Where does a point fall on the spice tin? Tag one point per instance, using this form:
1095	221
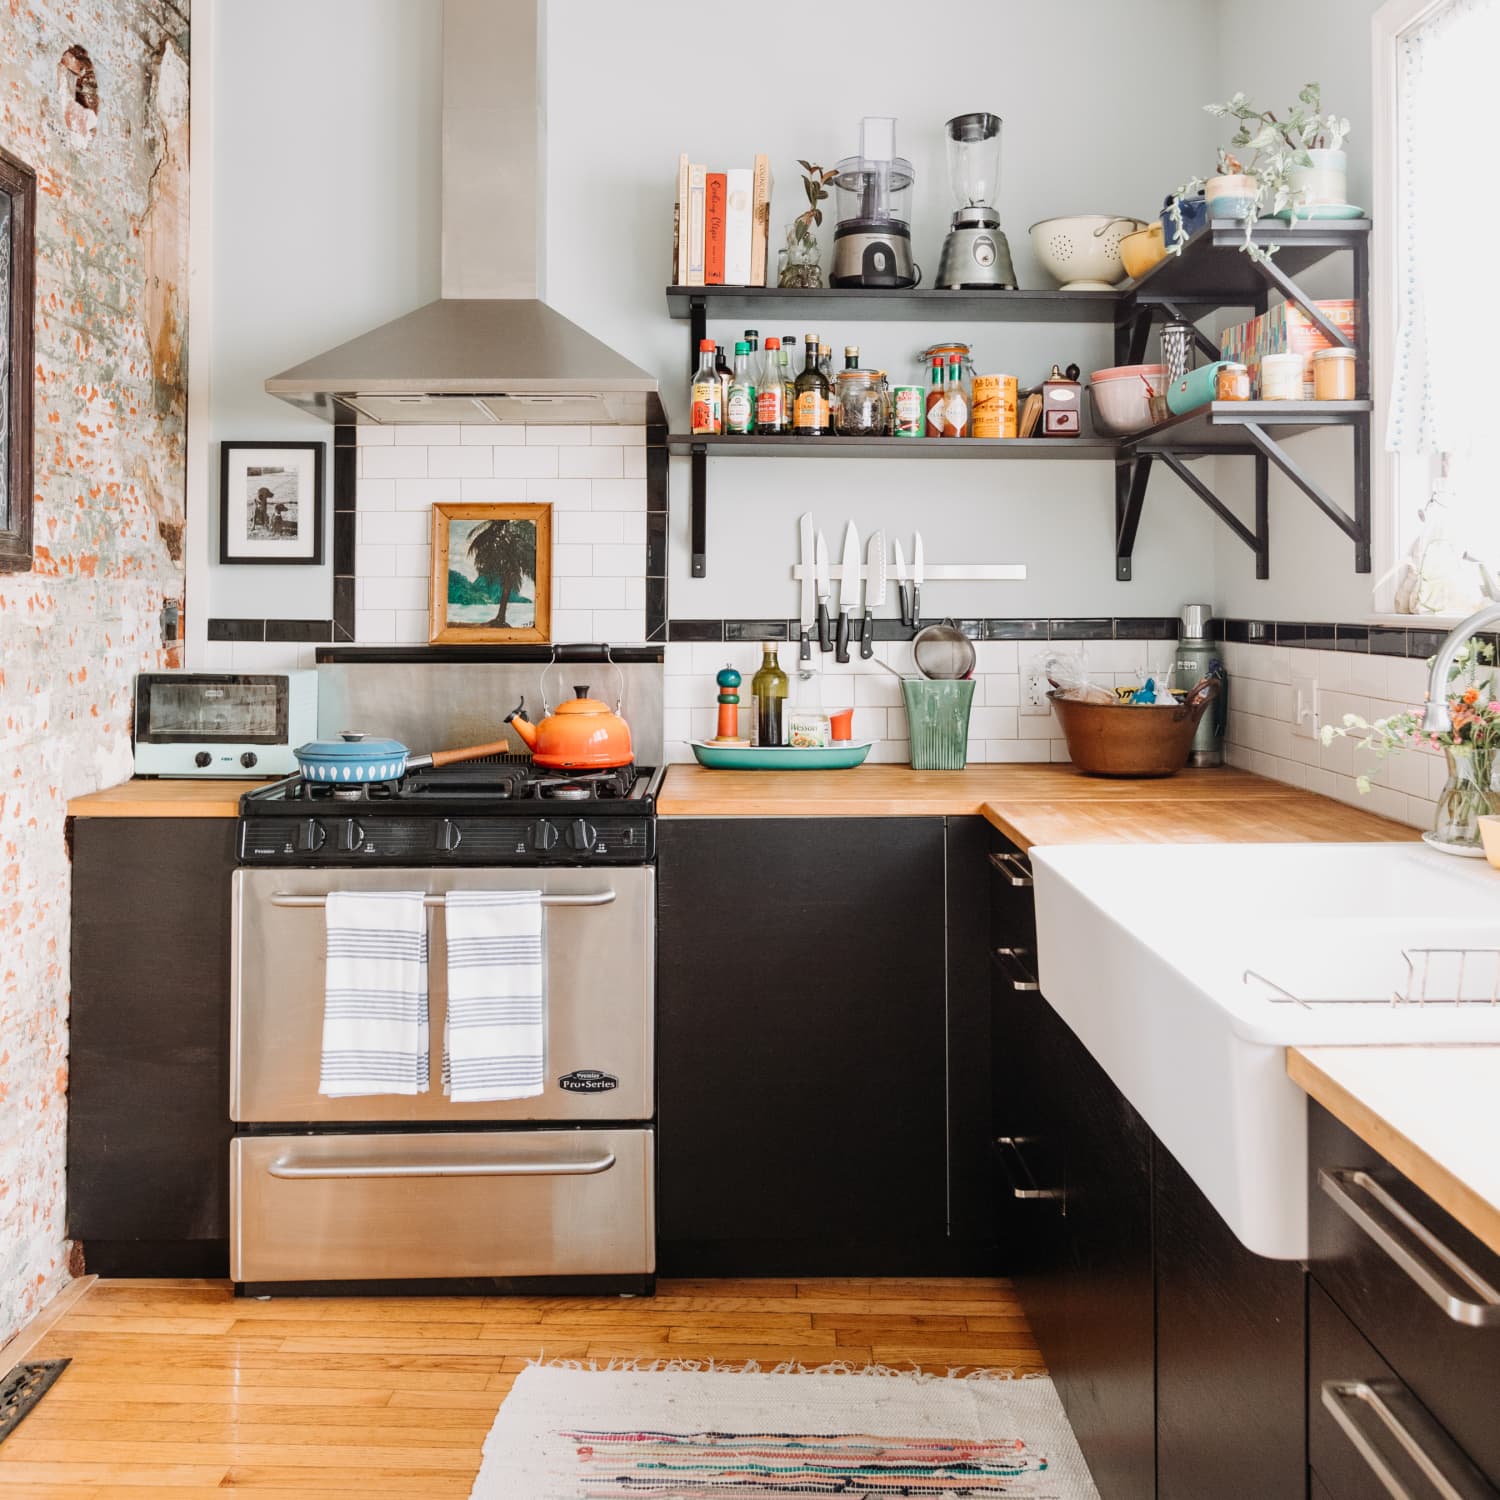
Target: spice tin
910	401
994	406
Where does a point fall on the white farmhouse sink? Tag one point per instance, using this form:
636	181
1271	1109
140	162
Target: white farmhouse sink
1143	951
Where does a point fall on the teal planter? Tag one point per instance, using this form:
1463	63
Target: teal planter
937	715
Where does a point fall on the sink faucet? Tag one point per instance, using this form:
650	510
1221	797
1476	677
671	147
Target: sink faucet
1435	719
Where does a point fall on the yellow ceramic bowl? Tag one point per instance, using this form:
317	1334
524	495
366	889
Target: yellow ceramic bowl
1142	250
1489	832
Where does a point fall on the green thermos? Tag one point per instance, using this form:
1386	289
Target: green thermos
1198	657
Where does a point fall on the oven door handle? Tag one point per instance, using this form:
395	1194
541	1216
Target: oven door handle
297	1170
591	898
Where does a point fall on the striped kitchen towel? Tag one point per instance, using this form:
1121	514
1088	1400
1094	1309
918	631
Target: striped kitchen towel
496	1034
375	995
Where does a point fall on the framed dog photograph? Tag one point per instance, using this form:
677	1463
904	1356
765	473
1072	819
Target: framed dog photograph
271	503
491	573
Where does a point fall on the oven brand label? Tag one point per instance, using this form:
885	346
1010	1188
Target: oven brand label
588	1081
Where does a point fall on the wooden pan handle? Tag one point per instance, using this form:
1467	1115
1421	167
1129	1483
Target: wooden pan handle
470	752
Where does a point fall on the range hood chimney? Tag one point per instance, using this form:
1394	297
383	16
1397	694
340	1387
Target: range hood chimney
489	350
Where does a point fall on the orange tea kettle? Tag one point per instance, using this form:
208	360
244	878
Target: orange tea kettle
583	735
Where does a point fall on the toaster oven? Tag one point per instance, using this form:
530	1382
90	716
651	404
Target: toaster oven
223	723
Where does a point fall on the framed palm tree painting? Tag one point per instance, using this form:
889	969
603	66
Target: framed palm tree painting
491	574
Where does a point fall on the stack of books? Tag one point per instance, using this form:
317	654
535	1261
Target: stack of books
722	225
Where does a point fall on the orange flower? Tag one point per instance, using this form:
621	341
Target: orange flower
1472	696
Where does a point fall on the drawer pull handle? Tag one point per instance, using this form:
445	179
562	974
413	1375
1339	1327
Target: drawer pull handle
1357	1405
1014	868
1464	1295
592	898
1016	965
291	1168
1023	1183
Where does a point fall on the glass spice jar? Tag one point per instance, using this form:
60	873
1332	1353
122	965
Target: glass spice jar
1232	383
1333	375
862	404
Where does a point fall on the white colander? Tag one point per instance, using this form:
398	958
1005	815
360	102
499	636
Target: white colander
1082	251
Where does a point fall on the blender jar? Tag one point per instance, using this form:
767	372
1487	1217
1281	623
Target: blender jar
973	148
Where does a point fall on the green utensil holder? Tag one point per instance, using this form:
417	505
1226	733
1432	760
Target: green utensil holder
937	714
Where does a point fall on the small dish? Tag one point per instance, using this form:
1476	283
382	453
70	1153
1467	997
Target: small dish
840	756
1301	212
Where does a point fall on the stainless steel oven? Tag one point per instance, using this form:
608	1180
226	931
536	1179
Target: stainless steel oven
414	1186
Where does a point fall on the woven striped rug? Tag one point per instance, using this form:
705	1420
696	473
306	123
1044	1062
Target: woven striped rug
577	1434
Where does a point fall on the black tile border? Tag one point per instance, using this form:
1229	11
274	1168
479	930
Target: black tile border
236	630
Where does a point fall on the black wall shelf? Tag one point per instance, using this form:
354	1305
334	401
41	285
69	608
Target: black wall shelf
1214	271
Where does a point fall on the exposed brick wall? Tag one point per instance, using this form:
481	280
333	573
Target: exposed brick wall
110	408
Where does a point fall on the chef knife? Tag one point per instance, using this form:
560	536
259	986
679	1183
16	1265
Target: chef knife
809	592
848	587
917	569
901	598
874	592
820	565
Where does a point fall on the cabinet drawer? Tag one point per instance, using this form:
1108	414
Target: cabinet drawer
1418	1286
461	1203
1367	1432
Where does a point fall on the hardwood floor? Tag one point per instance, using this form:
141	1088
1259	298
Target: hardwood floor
179	1389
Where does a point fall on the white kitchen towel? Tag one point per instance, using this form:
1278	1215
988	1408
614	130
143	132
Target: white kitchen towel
375	995
496	1034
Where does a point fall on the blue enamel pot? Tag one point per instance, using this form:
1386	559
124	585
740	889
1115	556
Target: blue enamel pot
352	759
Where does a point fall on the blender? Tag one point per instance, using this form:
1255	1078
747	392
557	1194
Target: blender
872	244
976	255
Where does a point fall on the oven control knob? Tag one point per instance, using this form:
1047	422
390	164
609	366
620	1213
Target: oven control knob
311	836
203	758
351	836
448	836
249	759
582	836
544	836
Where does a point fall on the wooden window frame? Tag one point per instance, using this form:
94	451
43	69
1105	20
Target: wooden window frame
19	183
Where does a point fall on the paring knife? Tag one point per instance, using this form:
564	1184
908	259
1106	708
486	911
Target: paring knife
917	569
848	588
809	592
820	567
874	592
901	596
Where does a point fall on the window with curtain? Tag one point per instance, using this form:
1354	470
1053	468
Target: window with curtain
1443	422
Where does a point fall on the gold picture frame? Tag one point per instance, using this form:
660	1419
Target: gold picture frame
489	558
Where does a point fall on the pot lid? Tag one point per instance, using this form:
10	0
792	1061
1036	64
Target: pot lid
583	704
350	746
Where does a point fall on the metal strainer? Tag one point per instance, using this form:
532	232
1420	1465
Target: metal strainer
943	652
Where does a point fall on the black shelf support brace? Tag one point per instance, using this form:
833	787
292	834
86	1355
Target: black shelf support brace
1259	540
1294	294
698	326
698	458
1131	477
1356	527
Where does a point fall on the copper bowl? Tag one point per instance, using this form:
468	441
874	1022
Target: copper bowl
1114	739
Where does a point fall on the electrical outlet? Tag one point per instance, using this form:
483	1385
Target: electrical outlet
1034	693
1305	708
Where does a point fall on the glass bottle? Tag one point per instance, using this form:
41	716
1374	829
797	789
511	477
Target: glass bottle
955	406
707	394
825	363
810	411
937	400
726	374
739	414
789	375
770	392
769	689
851	356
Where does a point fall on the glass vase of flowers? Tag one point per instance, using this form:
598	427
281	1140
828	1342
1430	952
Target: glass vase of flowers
1470	748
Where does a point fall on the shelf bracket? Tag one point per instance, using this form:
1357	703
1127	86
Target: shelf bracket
698	459
1131	476
698	327
1259	540
1294	293
1356	527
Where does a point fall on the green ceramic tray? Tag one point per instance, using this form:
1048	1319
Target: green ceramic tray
1305	212
839	757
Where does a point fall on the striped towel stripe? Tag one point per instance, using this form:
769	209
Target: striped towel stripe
495	1039
375	995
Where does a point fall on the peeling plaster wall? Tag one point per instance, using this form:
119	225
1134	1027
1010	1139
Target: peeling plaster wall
109	451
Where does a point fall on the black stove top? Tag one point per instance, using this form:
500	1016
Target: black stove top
476	812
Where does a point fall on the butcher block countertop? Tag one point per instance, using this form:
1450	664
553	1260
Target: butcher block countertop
1432	1112
167	798
1052	804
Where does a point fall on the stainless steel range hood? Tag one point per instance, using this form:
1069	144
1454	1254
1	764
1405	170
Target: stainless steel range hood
490	350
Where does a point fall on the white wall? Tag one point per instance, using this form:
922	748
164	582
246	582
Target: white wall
325	139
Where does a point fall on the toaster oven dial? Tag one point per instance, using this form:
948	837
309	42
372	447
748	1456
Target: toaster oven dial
203	758
249	759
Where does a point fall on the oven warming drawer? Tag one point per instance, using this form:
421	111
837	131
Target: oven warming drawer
471	1203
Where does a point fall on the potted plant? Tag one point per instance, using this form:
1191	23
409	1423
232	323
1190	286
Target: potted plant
800	265
1318	171
1470	748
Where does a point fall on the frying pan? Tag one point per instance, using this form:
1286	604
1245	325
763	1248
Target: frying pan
356	758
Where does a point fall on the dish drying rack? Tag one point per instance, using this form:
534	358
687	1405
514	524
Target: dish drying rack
1418	988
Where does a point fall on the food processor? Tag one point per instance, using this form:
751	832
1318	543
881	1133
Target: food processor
872	244
976	255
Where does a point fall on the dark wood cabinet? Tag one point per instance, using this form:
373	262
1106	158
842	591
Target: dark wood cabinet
804	1015
148	1072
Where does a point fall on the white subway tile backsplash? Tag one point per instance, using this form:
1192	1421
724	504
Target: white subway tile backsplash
411	627
374	437
466	463
417	436
422	494
590	463
634	463
539	435
393	526
618	437
374	494
880	689
492	436
523	463
993	723
995	656
374	562
619	494
620	625
490	491
589	526
572	561
635	595
562	494
377	625
573	625
414	560
589	593
393	463
393	593
624	561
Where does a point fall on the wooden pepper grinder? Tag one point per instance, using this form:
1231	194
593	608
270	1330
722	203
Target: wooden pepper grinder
729	709
1062	402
